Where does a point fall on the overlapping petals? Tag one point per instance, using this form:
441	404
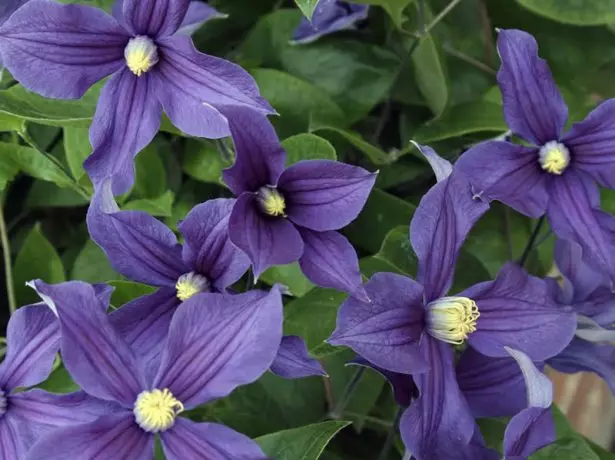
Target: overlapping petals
329	16
293	360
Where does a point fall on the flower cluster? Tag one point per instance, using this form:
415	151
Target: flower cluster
451	357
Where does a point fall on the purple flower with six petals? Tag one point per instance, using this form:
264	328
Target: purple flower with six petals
329	16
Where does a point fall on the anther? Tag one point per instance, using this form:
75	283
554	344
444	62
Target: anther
156	410
271	201
190	284
554	157
141	54
452	319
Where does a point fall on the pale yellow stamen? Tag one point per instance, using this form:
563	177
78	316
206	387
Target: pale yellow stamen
554	157
272	202
156	410
141	54
452	319
190	284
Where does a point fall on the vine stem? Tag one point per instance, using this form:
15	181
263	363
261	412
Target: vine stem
338	411
531	241
386	448
8	267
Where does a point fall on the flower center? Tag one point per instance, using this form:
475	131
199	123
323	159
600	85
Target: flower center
156	410
271	201
141	54
3	403
190	284
452	319
554	157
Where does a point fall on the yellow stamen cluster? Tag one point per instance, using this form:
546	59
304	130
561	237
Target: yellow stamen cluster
141	55
272	202
156	410
190	284
554	157
452	319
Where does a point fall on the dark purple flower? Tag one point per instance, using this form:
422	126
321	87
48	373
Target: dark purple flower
215	343
288	214
329	16
143	249
408	325
556	173
60	51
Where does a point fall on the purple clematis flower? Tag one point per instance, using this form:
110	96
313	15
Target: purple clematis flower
592	298
8	7
60	51
215	344
145	250
329	16
556	173
408	326
283	215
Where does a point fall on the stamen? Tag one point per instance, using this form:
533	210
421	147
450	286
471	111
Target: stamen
156	410
190	284
141	54
3	403
452	319
554	157
271	201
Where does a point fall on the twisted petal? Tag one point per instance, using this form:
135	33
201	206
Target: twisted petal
329	16
438	229
508	173
208	249
439	422
325	195
193	88
12	446
592	144
442	168
187	439
59	51
293	360
259	158
154	18
198	14
111	436
267	241
33	339
217	342
533	106
330	261
387	330
517	311
583	279
138	246
573	215
538	385
404	389
493	387
126	120
528	431
96	356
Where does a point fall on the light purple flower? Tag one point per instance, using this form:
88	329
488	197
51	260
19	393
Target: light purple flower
408	326
143	249
60	51
288	214
215	344
329	16
557	172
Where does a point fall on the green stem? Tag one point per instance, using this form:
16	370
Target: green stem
469	59
386	448
441	15
531	241
8	266
338	411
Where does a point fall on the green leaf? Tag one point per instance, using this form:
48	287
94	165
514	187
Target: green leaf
59	381
307	7
8	169
125	291
397	252
11	123
290	276
307	146
578	12
37	258
305	443
34	163
573	448
395	8
77	147
161	206
92	265
376	155
151	176
204	162
430	75
47	194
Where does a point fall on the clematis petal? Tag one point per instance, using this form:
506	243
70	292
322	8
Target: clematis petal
493	387
442	168
96	356
259	158
583	356
517	311
599	306
592	143
573	216
211	441
11	443
293	360
533	106
330	261
267	241
138	246
110	436
439	227
55	410
439	422
33	340
325	195
144	323
583	279
208	248
126	120
387	330
198	14
217	342
539	386
193	88
404	389
508	173
329	16
60	51
528	431
8	7
155	18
